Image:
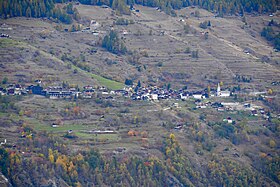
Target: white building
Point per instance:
(222, 93)
(94, 25)
(218, 90)
(154, 97)
(197, 96)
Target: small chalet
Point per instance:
(2, 35)
(198, 95)
(38, 81)
(228, 120)
(153, 97)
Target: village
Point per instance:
(221, 100)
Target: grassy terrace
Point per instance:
(111, 84)
(7, 42)
(77, 130)
(62, 128)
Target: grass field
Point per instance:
(111, 84)
(61, 128)
(107, 137)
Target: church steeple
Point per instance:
(218, 90)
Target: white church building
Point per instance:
(222, 93)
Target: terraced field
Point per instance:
(160, 41)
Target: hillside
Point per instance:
(221, 62)
(110, 137)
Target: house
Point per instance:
(247, 105)
(38, 81)
(3, 91)
(176, 105)
(54, 125)
(105, 93)
(228, 120)
(95, 33)
(94, 25)
(217, 105)
(183, 96)
(102, 88)
(124, 32)
(18, 89)
(38, 90)
(224, 93)
(178, 127)
(2, 35)
(256, 93)
(3, 143)
(220, 109)
(11, 91)
(197, 96)
(88, 87)
(254, 112)
(104, 132)
(154, 97)
(132, 8)
(201, 105)
(87, 94)
(59, 94)
(145, 96)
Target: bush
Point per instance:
(195, 54)
(203, 25)
(128, 82)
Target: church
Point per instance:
(222, 93)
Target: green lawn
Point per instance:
(5, 42)
(61, 128)
(110, 137)
(111, 84)
(8, 42)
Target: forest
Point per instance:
(38, 9)
(270, 35)
(48, 159)
(221, 7)
(47, 8)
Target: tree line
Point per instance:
(221, 7)
(38, 9)
(270, 35)
(46, 8)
